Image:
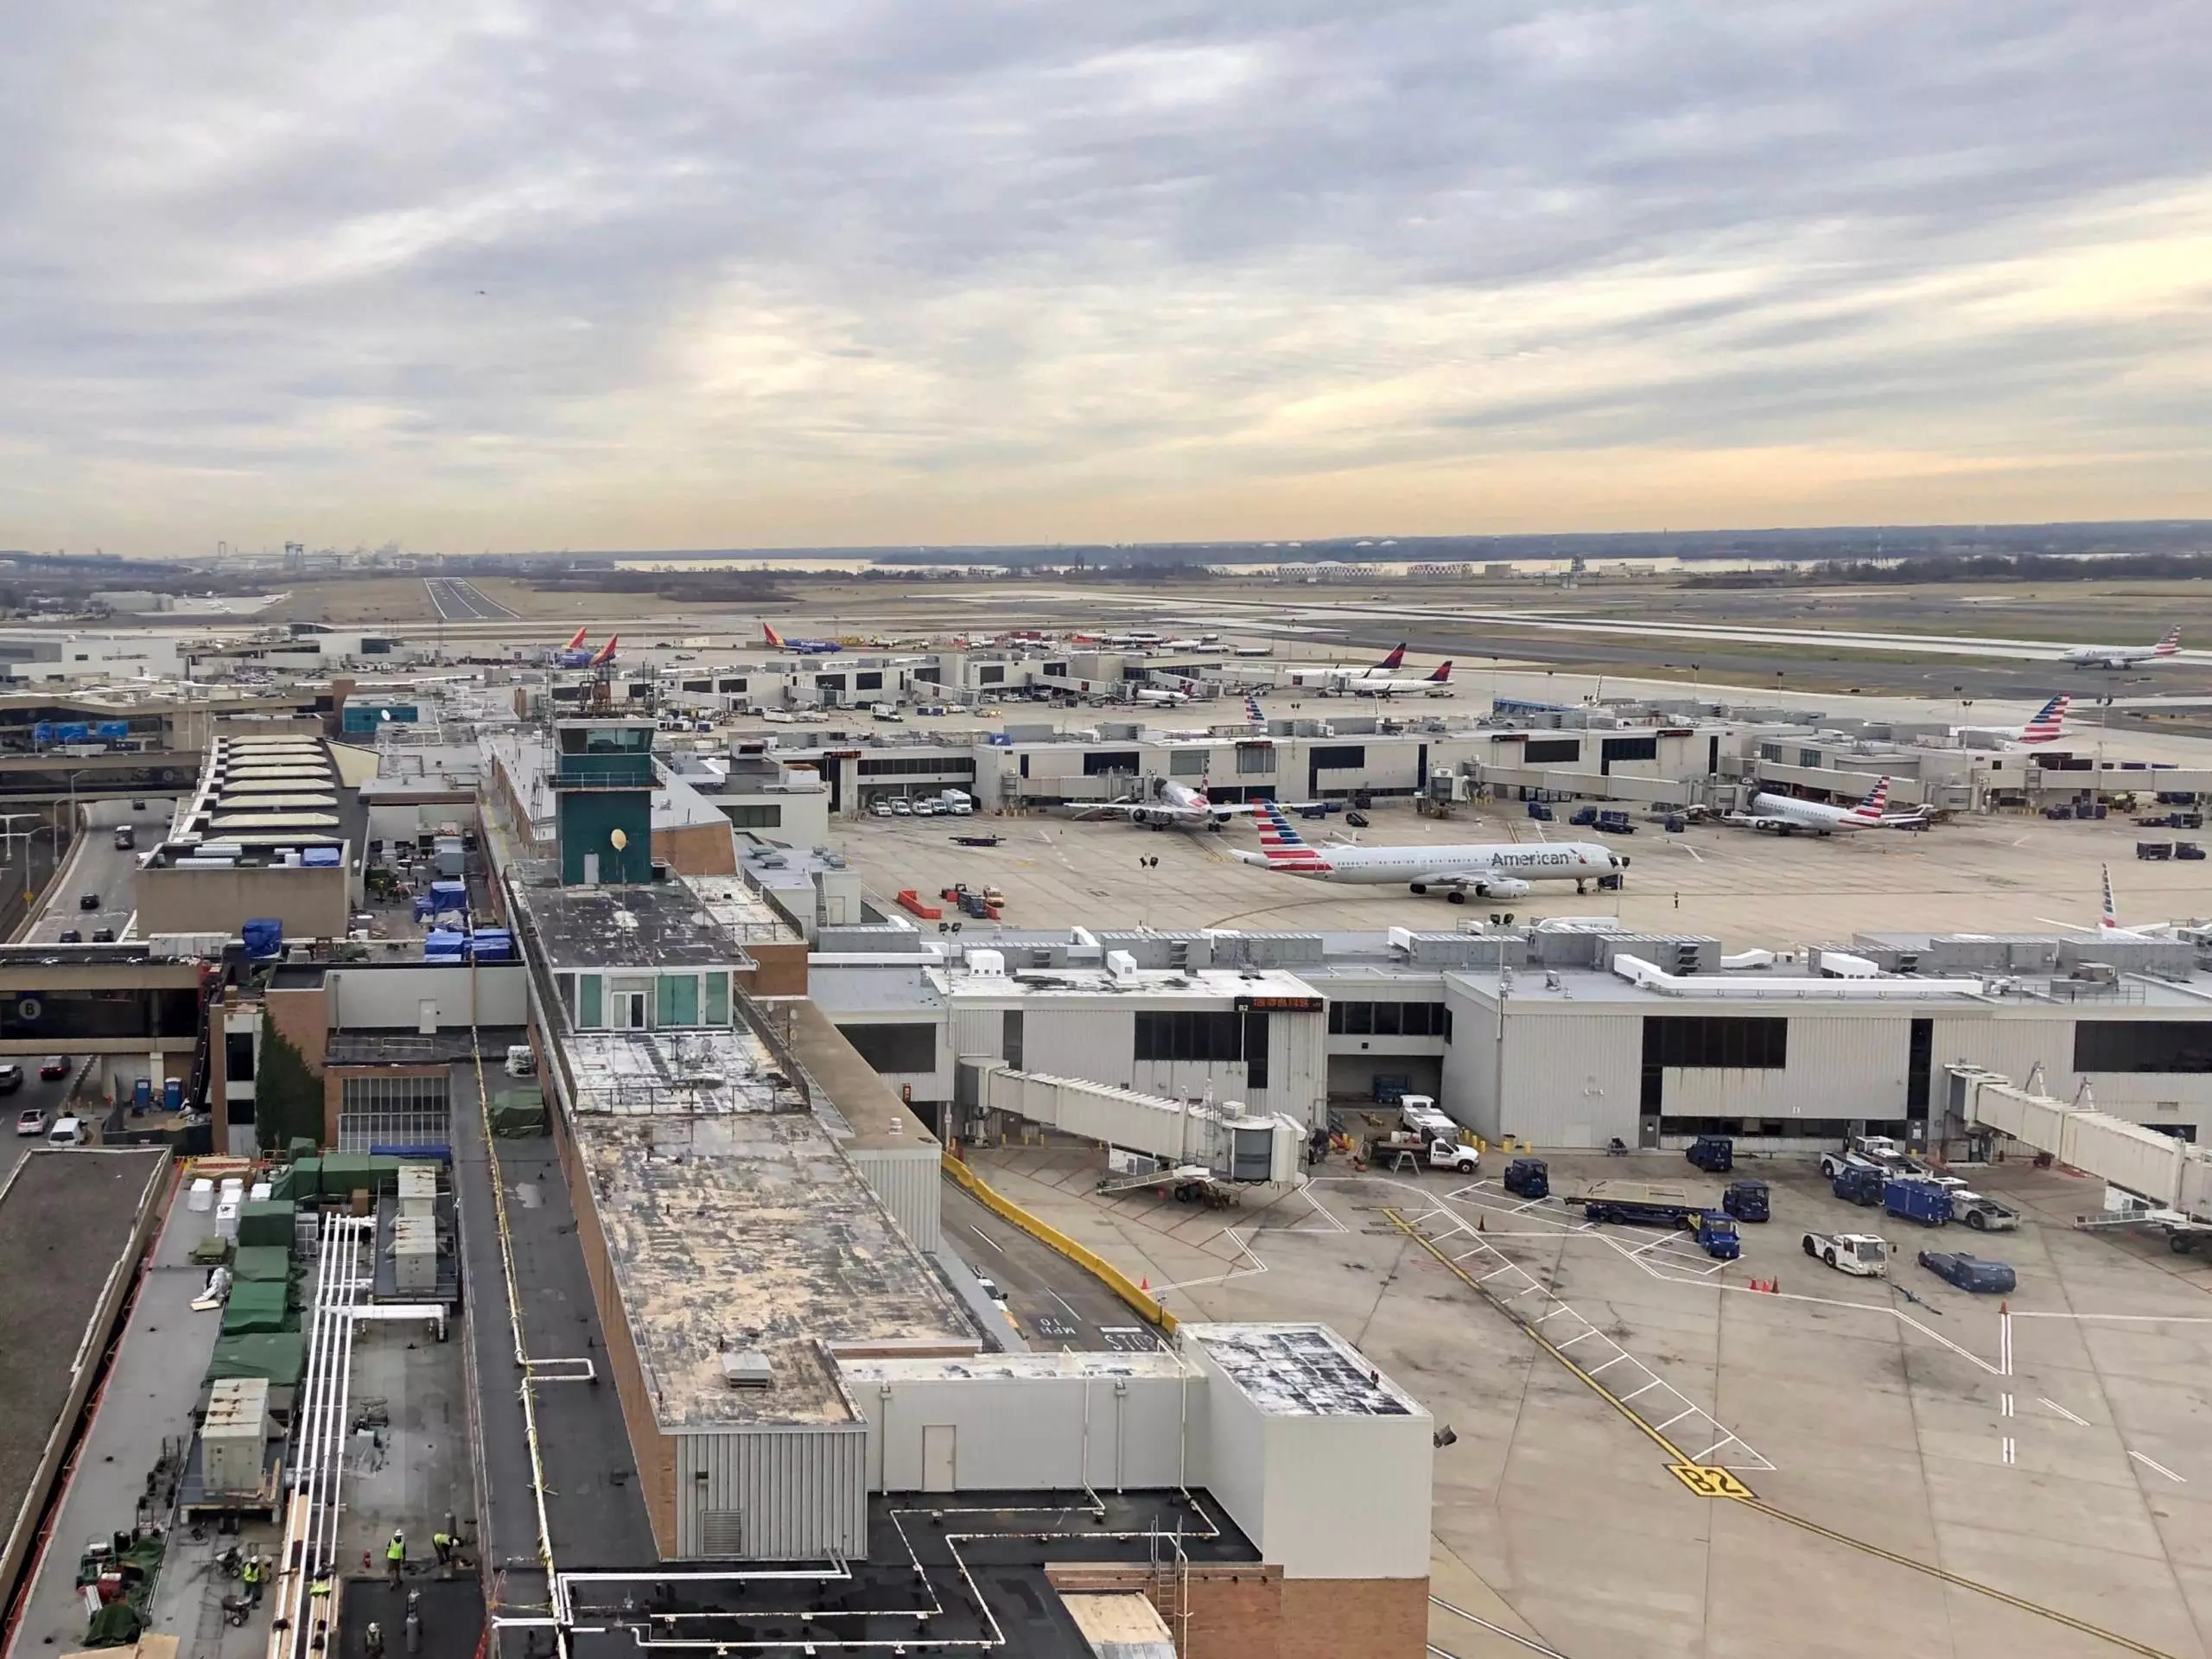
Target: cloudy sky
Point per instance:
(508, 273)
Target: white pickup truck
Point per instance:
(1861, 1254)
(1404, 1147)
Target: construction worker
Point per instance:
(442, 1543)
(372, 1640)
(395, 1556)
(250, 1575)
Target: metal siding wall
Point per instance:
(908, 1182)
(1469, 1092)
(1093, 1042)
(1571, 1080)
(1839, 1067)
(976, 1033)
(1026, 1432)
(802, 1492)
(1298, 1066)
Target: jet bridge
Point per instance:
(1222, 1138)
(2170, 1173)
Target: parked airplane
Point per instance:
(803, 647)
(1253, 712)
(605, 654)
(2124, 656)
(576, 653)
(1501, 870)
(2047, 725)
(1785, 814)
(1170, 806)
(1160, 697)
(2108, 926)
(1388, 666)
(1434, 685)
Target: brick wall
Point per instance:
(655, 1452)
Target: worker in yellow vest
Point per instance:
(395, 1556)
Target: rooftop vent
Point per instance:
(748, 1369)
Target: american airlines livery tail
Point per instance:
(2109, 921)
(1875, 801)
(2169, 646)
(1286, 849)
(2049, 722)
(1254, 713)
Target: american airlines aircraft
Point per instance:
(2124, 656)
(2108, 926)
(1499, 870)
(2046, 725)
(1785, 815)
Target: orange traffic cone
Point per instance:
(1478, 1225)
(1143, 1285)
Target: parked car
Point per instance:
(11, 1077)
(88, 901)
(53, 1066)
(1970, 1271)
(32, 1120)
(902, 808)
(878, 809)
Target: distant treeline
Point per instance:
(686, 586)
(1972, 567)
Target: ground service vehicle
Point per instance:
(1974, 1272)
(1528, 1177)
(1916, 1200)
(1982, 1214)
(1713, 1153)
(1861, 1254)
(1747, 1200)
(1402, 1146)
(1656, 1203)
(1860, 1183)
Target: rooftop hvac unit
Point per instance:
(1120, 966)
(749, 1369)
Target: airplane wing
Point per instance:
(1751, 821)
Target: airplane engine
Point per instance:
(1504, 886)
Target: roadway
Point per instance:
(455, 601)
(1054, 1303)
(97, 865)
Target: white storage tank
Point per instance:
(232, 1439)
(226, 1219)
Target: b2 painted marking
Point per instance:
(1709, 1482)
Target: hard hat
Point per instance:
(397, 1534)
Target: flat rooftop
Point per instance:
(1156, 1362)
(1301, 1371)
(750, 1230)
(647, 925)
(1212, 984)
(711, 1071)
(748, 916)
(65, 1218)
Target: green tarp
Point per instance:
(263, 1261)
(268, 1222)
(281, 1358)
(345, 1173)
(518, 1113)
(307, 1179)
(258, 1308)
(281, 1186)
(303, 1145)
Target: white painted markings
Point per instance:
(2082, 1422)
(2009, 1453)
(2152, 1463)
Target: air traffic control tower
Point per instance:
(603, 783)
